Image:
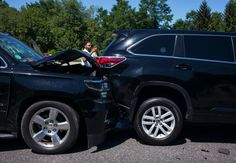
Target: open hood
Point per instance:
(67, 56)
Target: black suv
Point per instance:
(162, 78)
(51, 100)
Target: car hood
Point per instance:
(67, 56)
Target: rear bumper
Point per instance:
(99, 120)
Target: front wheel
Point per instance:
(158, 121)
(50, 127)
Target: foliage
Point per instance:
(61, 24)
(203, 17)
(230, 16)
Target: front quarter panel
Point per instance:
(29, 84)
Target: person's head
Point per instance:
(88, 45)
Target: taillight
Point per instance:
(109, 61)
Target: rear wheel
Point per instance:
(158, 121)
(50, 127)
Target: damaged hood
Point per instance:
(67, 56)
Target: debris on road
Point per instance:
(224, 151)
(205, 150)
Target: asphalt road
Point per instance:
(198, 143)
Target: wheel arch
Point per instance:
(155, 85)
(26, 103)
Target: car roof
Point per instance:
(155, 31)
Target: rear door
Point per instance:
(210, 76)
(4, 88)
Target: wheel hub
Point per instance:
(49, 131)
(50, 128)
(158, 122)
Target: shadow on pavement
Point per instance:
(194, 132)
(209, 133)
(12, 144)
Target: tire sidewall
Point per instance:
(72, 117)
(158, 102)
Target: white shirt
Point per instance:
(85, 63)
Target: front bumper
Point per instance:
(99, 120)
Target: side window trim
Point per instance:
(5, 64)
(149, 55)
(175, 45)
(209, 60)
(233, 45)
(179, 46)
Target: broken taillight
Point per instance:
(109, 61)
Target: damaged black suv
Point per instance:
(51, 100)
(163, 78)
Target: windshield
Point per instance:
(18, 50)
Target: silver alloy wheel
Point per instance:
(158, 122)
(49, 127)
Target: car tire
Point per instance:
(149, 126)
(50, 127)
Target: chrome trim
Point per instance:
(194, 59)
(5, 66)
(204, 35)
(232, 42)
(174, 57)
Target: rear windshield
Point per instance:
(113, 43)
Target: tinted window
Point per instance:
(2, 64)
(209, 47)
(156, 45)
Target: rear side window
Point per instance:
(156, 45)
(209, 47)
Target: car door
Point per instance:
(209, 73)
(4, 88)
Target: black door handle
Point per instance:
(183, 67)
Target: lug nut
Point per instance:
(54, 130)
(55, 125)
(49, 131)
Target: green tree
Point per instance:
(180, 24)
(164, 14)
(147, 14)
(154, 14)
(68, 26)
(122, 16)
(230, 16)
(203, 17)
(8, 18)
(188, 23)
(33, 25)
(217, 22)
(104, 28)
